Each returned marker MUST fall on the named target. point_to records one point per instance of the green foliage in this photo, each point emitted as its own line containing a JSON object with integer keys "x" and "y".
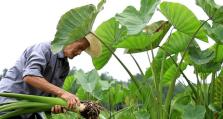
{"x": 141, "y": 41}
{"x": 88, "y": 80}
{"x": 214, "y": 11}
{"x": 110, "y": 33}
{"x": 176, "y": 43}
{"x": 199, "y": 57}
{"x": 191, "y": 111}
{"x": 182, "y": 19}
{"x": 218, "y": 94}
{"x": 134, "y": 20}
{"x": 155, "y": 33}
{"x": 129, "y": 30}
{"x": 73, "y": 25}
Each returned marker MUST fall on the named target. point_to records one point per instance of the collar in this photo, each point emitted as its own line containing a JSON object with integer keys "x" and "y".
{"x": 61, "y": 55}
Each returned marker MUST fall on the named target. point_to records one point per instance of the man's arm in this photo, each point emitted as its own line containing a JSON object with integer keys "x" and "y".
{"x": 44, "y": 85}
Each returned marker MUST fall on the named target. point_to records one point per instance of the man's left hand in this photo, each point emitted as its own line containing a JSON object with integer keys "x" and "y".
{"x": 58, "y": 109}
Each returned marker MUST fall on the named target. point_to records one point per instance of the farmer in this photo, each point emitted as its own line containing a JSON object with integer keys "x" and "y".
{"x": 40, "y": 72}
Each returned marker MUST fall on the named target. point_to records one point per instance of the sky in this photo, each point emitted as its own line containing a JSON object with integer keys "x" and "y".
{"x": 26, "y": 22}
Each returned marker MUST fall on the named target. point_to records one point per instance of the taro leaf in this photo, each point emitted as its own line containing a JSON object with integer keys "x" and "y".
{"x": 215, "y": 32}
{"x": 156, "y": 33}
{"x": 172, "y": 73}
{"x": 88, "y": 81}
{"x": 214, "y": 11}
{"x": 104, "y": 85}
{"x": 182, "y": 19}
{"x": 192, "y": 112}
{"x": 73, "y": 25}
{"x": 135, "y": 20}
{"x": 110, "y": 33}
{"x": 208, "y": 68}
{"x": 199, "y": 57}
{"x": 141, "y": 41}
{"x": 177, "y": 42}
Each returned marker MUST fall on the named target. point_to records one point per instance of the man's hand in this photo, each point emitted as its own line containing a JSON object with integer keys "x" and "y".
{"x": 58, "y": 109}
{"x": 71, "y": 99}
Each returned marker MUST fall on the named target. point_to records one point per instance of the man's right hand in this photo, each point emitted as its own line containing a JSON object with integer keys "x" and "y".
{"x": 71, "y": 99}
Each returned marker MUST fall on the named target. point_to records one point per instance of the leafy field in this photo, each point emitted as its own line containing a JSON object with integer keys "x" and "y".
{"x": 171, "y": 46}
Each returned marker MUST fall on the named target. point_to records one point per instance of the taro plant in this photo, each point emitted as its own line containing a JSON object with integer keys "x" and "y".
{"x": 171, "y": 46}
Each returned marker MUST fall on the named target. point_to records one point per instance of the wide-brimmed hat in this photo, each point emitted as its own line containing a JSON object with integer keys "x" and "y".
{"x": 94, "y": 50}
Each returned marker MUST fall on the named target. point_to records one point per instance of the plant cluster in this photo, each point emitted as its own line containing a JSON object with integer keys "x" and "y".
{"x": 145, "y": 98}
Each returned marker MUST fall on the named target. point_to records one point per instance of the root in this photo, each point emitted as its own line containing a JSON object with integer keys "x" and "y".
{"x": 91, "y": 110}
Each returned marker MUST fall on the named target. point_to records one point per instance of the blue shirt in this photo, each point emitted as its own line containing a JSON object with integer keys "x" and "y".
{"x": 37, "y": 60}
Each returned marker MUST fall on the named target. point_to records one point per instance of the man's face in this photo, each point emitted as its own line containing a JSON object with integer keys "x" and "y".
{"x": 76, "y": 48}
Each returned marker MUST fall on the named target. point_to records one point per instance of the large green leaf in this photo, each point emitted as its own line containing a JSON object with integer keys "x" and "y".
{"x": 214, "y": 11}
{"x": 155, "y": 31}
{"x": 141, "y": 41}
{"x": 88, "y": 80}
{"x": 135, "y": 20}
{"x": 208, "y": 68}
{"x": 182, "y": 19}
{"x": 177, "y": 42}
{"x": 201, "y": 57}
{"x": 217, "y": 32}
{"x": 110, "y": 33}
{"x": 73, "y": 25}
{"x": 192, "y": 112}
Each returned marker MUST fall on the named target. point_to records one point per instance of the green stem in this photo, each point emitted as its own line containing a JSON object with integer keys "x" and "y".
{"x": 140, "y": 69}
{"x": 24, "y": 111}
{"x": 34, "y": 98}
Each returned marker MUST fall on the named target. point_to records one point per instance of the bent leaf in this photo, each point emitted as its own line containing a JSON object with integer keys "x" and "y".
{"x": 110, "y": 33}
{"x": 135, "y": 20}
{"x": 182, "y": 19}
{"x": 201, "y": 57}
{"x": 73, "y": 25}
{"x": 140, "y": 41}
{"x": 156, "y": 31}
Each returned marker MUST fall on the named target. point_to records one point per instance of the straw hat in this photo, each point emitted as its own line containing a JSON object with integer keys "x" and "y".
{"x": 94, "y": 50}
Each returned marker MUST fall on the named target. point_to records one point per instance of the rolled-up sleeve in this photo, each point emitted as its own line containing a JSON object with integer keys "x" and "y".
{"x": 36, "y": 61}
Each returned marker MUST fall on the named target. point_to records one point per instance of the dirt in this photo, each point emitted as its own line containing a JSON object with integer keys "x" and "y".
{"x": 91, "y": 111}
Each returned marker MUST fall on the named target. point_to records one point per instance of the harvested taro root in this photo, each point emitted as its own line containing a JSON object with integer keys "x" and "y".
{"x": 90, "y": 110}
